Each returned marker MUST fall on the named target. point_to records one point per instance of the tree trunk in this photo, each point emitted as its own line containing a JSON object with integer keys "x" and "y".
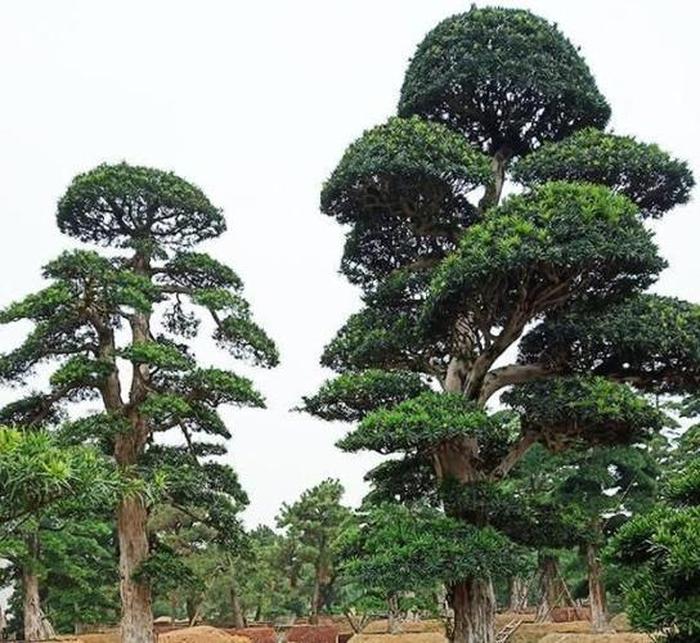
{"x": 474, "y": 605}
{"x": 518, "y": 590}
{"x": 315, "y": 601}
{"x": 596, "y": 590}
{"x": 237, "y": 611}
{"x": 137, "y": 616}
{"x": 33, "y": 630}
{"x": 551, "y": 586}
{"x": 393, "y": 621}
{"x": 36, "y": 625}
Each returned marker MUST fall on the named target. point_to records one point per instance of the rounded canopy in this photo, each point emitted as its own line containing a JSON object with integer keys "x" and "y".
{"x": 123, "y": 205}
{"x": 505, "y": 78}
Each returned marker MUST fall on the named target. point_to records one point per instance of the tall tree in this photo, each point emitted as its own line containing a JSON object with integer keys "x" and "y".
{"x": 451, "y": 283}
{"x": 97, "y": 319}
{"x": 316, "y": 520}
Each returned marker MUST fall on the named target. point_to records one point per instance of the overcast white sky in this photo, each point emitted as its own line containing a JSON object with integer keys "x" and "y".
{"x": 255, "y": 102}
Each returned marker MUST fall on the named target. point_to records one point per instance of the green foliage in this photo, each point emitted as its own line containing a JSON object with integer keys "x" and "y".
{"x": 645, "y": 174}
{"x": 425, "y": 159}
{"x": 36, "y": 471}
{"x": 395, "y": 549}
{"x": 505, "y": 78}
{"x": 123, "y": 205}
{"x": 351, "y": 396}
{"x": 650, "y": 340}
{"x": 589, "y": 410}
{"x": 403, "y": 186}
{"x": 561, "y": 242}
{"x": 664, "y": 549}
{"x": 421, "y": 422}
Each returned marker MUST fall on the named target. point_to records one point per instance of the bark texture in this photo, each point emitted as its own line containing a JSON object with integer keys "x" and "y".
{"x": 474, "y": 605}
{"x": 551, "y": 586}
{"x": 518, "y": 590}
{"x": 137, "y": 616}
{"x": 596, "y": 590}
{"x": 36, "y": 626}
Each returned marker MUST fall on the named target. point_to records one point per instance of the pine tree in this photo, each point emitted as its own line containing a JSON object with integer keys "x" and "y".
{"x": 117, "y": 325}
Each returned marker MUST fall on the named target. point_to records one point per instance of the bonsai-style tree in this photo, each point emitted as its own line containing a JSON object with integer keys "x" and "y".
{"x": 453, "y": 277}
{"x": 316, "y": 521}
{"x": 117, "y": 325}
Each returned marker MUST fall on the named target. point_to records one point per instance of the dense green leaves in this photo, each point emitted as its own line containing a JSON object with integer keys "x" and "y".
{"x": 421, "y": 422}
{"x": 36, "y": 471}
{"x": 588, "y": 410}
{"x": 351, "y": 396}
{"x": 397, "y": 549}
{"x": 649, "y": 340}
{"x": 561, "y": 242}
{"x": 505, "y": 78}
{"x": 645, "y": 174}
{"x": 403, "y": 186}
{"x": 126, "y": 205}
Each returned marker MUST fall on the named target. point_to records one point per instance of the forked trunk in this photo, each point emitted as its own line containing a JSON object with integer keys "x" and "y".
{"x": 474, "y": 605}
{"x": 36, "y": 625}
{"x": 137, "y": 616}
{"x": 518, "y": 590}
{"x": 596, "y": 590}
{"x": 393, "y": 621}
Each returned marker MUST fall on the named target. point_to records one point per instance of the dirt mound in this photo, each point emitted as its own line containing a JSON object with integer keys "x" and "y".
{"x": 410, "y": 637}
{"x": 108, "y": 636}
{"x": 533, "y": 632}
{"x": 201, "y": 634}
{"x": 626, "y": 637}
{"x": 255, "y": 634}
{"x": 407, "y": 627}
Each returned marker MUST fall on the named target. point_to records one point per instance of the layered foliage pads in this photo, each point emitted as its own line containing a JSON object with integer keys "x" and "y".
{"x": 504, "y": 78}
{"x": 395, "y": 549}
{"x": 100, "y": 318}
{"x": 561, "y": 242}
{"x": 648, "y": 340}
{"x": 387, "y": 333}
{"x": 122, "y": 205}
{"x": 644, "y": 173}
{"x": 566, "y": 411}
{"x": 403, "y": 186}
{"x": 427, "y": 421}
{"x": 351, "y": 396}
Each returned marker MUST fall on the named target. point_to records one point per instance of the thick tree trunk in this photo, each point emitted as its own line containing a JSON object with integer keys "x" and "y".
{"x": 596, "y": 590}
{"x": 33, "y": 630}
{"x": 518, "y": 589}
{"x": 315, "y": 601}
{"x": 237, "y": 611}
{"x": 36, "y": 625}
{"x": 474, "y": 605}
{"x": 551, "y": 586}
{"x": 137, "y": 616}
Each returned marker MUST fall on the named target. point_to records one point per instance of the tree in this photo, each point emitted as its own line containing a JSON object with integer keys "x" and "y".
{"x": 450, "y": 283}
{"x": 398, "y": 551}
{"x": 42, "y": 481}
{"x": 662, "y": 548}
{"x": 97, "y": 320}
{"x": 316, "y": 521}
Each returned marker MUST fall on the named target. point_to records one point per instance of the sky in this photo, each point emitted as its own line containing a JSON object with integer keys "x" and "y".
{"x": 255, "y": 103}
